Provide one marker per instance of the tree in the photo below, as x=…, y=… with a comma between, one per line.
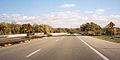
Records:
x=59, y=30
x=4, y=28
x=23, y=28
x=46, y=28
x=91, y=27
x=110, y=29
x=36, y=28
x=66, y=30
x=7, y=28
x=42, y=28
x=26, y=28
x=111, y=25
x=15, y=28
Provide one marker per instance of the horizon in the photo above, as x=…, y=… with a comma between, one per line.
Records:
x=60, y=13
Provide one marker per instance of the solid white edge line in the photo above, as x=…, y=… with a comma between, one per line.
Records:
x=100, y=54
x=33, y=53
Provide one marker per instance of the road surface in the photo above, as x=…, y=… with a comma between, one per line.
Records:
x=110, y=49
x=51, y=48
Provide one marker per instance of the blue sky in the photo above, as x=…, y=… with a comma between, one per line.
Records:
x=44, y=6
x=84, y=8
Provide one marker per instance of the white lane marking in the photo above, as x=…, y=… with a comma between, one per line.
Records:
x=33, y=53
x=100, y=54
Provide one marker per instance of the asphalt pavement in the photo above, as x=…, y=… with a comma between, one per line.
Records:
x=51, y=48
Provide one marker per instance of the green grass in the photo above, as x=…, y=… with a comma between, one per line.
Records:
x=108, y=38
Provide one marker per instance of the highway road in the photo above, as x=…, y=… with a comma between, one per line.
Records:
x=52, y=48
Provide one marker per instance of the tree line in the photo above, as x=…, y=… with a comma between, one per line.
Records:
x=87, y=29
x=95, y=29
x=11, y=28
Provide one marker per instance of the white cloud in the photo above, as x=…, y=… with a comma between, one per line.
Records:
x=100, y=10
x=97, y=11
x=29, y=17
x=62, y=19
x=88, y=12
x=67, y=5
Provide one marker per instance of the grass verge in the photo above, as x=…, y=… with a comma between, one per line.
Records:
x=12, y=41
x=109, y=38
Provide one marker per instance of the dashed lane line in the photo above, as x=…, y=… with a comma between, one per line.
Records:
x=33, y=53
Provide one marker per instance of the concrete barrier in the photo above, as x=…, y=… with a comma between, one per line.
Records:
x=54, y=34
x=39, y=33
x=17, y=35
x=3, y=36
x=22, y=35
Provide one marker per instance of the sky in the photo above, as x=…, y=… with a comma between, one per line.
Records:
x=60, y=13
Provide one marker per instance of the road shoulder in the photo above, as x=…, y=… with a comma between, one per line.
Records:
x=109, y=49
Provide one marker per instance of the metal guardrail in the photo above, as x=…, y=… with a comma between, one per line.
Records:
x=116, y=36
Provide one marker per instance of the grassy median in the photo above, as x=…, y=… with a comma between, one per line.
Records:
x=12, y=41
x=108, y=38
